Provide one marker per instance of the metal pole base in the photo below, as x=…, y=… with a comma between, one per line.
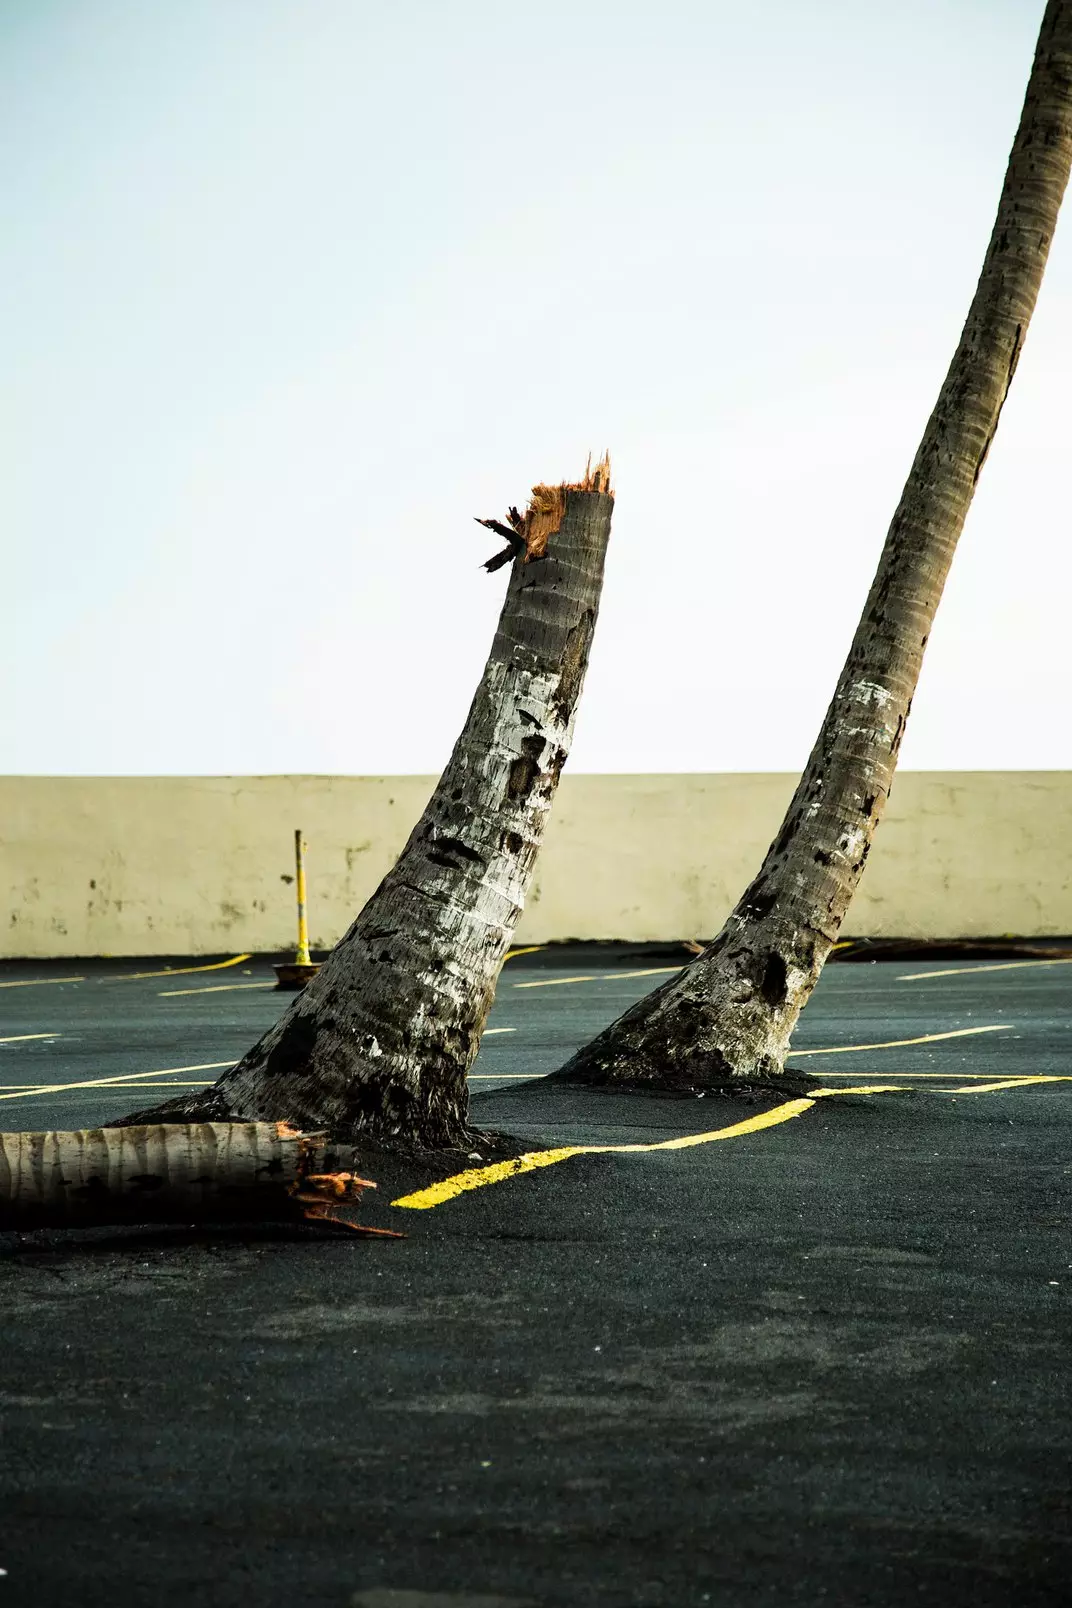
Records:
x=294, y=974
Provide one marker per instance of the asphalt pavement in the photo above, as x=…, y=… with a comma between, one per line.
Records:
x=742, y=1356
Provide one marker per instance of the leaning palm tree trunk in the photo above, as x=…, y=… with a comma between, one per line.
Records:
x=378, y=1045
x=729, y=1015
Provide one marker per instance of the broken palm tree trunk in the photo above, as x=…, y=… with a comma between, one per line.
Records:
x=378, y=1045
x=729, y=1014
x=167, y=1173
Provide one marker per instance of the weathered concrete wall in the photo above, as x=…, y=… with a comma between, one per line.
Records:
x=202, y=865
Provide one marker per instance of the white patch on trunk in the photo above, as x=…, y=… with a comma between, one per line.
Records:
x=852, y=841
x=870, y=694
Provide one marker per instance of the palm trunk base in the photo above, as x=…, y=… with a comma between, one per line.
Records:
x=692, y=1036
x=400, y=1125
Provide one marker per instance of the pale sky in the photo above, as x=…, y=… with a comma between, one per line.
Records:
x=291, y=289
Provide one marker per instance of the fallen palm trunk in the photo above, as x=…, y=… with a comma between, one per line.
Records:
x=172, y=1173
x=729, y=1015
x=378, y=1045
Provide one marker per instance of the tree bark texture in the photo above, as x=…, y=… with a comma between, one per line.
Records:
x=169, y=1173
x=378, y=1045
x=730, y=1014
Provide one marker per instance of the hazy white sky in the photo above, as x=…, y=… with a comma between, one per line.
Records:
x=293, y=288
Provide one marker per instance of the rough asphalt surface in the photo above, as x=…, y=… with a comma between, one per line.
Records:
x=825, y=1362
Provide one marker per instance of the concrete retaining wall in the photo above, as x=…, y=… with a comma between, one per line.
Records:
x=200, y=865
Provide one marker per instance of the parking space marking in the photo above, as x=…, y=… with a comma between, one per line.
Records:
x=26, y=1091
x=213, y=988
x=40, y=982
x=126, y=977
x=600, y=977
x=897, y=1044
x=557, y=982
x=91, y=1088
x=178, y=971
x=533, y=949
x=102, y=1083
x=826, y=1073
x=969, y=971
x=21, y=1038
x=477, y=1177
x=1007, y=1083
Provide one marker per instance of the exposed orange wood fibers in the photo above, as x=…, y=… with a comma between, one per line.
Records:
x=547, y=507
x=528, y=534
x=325, y=1198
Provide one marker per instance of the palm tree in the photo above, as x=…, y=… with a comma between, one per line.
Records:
x=377, y=1046
x=730, y=1014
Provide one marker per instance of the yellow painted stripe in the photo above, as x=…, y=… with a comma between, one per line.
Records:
x=127, y=1077
x=558, y=982
x=488, y=1031
x=915, y=1076
x=602, y=977
x=651, y=971
x=214, y=988
x=1009, y=1083
x=966, y=971
x=201, y=1083
x=178, y=971
x=40, y=982
x=533, y=949
x=477, y=1177
x=897, y=1044
x=863, y=1088
x=127, y=977
x=21, y=1038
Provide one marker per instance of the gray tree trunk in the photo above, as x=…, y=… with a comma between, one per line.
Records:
x=378, y=1045
x=170, y=1173
x=729, y=1015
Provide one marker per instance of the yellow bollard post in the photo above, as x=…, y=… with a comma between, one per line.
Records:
x=296, y=973
x=302, y=958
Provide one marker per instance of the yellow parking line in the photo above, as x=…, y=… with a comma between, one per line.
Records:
x=21, y=1038
x=40, y=982
x=916, y=1076
x=896, y=1044
x=1008, y=1083
x=129, y=977
x=533, y=949
x=488, y=1031
x=1000, y=965
x=127, y=1077
x=651, y=971
x=178, y=971
x=862, y=1088
x=213, y=988
x=601, y=977
x=476, y=1177
x=557, y=982
x=182, y=1083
